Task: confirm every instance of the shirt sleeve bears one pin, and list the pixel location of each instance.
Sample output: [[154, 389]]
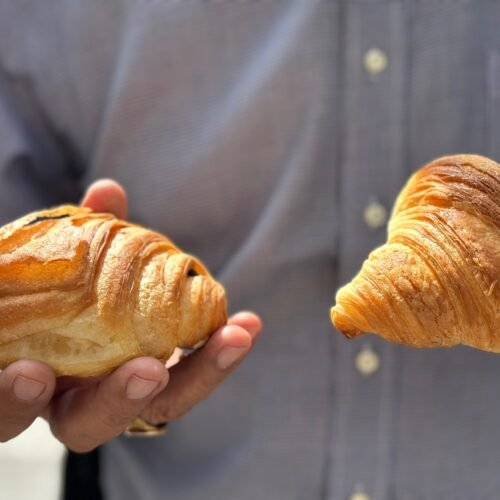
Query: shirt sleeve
[[38, 167]]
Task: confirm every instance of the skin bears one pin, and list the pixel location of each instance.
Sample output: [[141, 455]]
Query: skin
[[85, 413]]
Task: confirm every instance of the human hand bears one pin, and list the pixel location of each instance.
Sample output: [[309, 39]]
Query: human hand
[[84, 413]]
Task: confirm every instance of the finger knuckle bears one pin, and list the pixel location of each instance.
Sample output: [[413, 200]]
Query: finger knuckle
[[81, 442], [175, 406], [116, 421], [12, 426], [6, 438], [165, 413], [78, 442], [86, 440], [77, 447], [14, 421]]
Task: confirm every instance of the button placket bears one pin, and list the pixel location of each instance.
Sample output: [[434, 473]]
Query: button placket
[[367, 361], [375, 61], [359, 495], [373, 169], [375, 215]]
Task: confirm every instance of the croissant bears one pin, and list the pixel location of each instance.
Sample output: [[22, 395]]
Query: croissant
[[84, 292], [436, 282]]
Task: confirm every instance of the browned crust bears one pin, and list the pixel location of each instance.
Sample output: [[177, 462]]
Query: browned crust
[[57, 265], [435, 282]]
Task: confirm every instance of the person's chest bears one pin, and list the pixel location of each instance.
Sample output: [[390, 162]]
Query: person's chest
[[212, 111], [280, 131]]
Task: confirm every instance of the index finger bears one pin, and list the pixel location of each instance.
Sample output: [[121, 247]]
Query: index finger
[[196, 377], [87, 416]]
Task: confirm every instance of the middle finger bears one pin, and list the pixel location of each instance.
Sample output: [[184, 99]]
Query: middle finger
[[84, 418]]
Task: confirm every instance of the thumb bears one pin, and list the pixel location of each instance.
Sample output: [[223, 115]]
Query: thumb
[[106, 195]]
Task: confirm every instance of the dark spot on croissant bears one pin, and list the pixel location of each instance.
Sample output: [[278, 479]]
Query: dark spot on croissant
[[191, 273], [48, 217]]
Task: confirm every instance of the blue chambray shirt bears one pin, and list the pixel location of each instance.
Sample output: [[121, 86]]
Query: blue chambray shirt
[[259, 134]]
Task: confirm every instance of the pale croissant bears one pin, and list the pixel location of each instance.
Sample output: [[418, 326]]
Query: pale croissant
[[436, 282], [85, 292]]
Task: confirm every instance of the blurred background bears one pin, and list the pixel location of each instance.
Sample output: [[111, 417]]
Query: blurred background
[[31, 465]]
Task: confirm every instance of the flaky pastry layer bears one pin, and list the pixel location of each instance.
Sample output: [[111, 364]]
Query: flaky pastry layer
[[436, 282], [85, 292]]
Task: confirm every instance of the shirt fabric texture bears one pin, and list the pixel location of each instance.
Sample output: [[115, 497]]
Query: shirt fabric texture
[[250, 132]]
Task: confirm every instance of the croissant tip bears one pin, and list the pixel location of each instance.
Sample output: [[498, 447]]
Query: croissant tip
[[434, 282], [343, 324]]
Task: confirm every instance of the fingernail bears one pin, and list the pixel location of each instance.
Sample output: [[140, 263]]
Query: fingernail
[[140, 388], [27, 389], [229, 355]]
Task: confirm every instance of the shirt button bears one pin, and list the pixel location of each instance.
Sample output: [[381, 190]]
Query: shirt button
[[375, 215], [375, 61], [359, 496], [367, 361]]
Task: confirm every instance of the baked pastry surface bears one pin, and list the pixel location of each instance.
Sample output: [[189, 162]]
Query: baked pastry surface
[[436, 282], [84, 292]]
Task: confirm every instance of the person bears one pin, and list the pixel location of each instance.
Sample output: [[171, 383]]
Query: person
[[270, 138]]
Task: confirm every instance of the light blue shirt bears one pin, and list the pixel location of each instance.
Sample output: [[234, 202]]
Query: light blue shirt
[[255, 133]]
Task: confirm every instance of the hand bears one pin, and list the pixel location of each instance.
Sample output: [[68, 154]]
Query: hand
[[85, 413]]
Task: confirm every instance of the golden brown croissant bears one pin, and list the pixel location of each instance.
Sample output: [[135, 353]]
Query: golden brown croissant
[[84, 292], [436, 282]]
